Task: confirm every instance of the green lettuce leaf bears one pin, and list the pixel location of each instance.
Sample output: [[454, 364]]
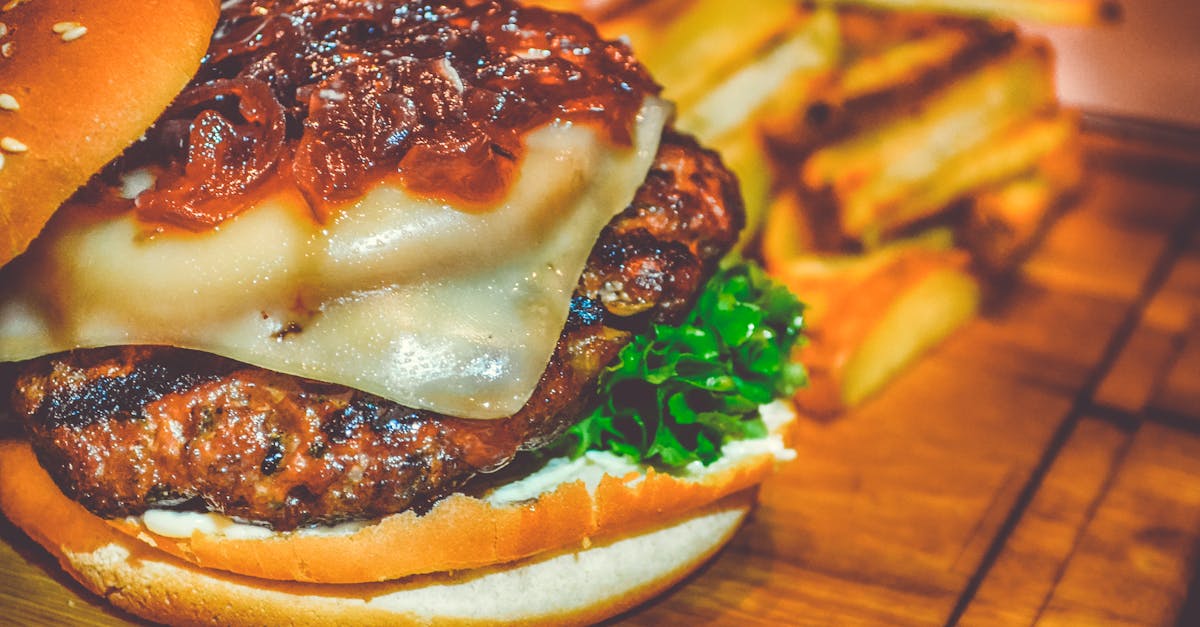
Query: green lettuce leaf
[[677, 394]]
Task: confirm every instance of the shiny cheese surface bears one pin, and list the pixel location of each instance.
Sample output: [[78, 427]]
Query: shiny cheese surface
[[436, 308]]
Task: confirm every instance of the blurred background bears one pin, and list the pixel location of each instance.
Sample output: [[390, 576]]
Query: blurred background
[[991, 208], [1147, 66]]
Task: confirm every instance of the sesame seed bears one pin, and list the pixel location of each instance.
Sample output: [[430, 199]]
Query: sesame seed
[[3, 29], [1, 161], [12, 4], [69, 31], [74, 33], [8, 103], [11, 144], [7, 49]]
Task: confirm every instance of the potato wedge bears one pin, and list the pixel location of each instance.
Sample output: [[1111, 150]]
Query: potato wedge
[[872, 315], [729, 104], [1004, 222], [873, 172], [1067, 12]]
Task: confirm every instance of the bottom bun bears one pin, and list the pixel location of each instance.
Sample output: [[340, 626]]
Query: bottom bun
[[599, 580]]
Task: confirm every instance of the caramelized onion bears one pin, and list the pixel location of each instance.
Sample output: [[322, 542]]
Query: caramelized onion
[[332, 96], [227, 155]]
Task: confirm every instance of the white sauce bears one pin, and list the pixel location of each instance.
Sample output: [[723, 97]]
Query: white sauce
[[172, 524], [592, 466]]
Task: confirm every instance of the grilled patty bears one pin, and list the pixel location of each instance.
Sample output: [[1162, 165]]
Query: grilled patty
[[126, 429]]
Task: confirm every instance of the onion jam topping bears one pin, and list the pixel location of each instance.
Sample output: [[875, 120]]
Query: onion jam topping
[[334, 95]]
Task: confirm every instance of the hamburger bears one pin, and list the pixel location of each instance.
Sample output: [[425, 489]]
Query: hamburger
[[370, 312]]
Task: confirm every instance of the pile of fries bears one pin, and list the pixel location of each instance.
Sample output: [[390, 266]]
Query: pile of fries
[[893, 153]]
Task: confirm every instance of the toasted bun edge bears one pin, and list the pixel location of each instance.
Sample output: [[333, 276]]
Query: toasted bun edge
[[574, 586], [465, 532]]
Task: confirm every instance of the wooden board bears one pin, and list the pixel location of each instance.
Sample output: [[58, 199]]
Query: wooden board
[[1040, 465], [1134, 556], [1023, 576]]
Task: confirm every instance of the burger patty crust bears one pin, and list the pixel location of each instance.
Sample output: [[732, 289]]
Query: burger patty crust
[[126, 429]]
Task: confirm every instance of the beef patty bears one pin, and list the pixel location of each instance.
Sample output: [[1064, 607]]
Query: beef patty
[[126, 429]]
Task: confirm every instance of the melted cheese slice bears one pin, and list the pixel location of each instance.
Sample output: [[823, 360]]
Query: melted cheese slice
[[411, 299]]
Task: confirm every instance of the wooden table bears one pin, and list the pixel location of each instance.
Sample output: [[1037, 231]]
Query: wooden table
[[1043, 465]]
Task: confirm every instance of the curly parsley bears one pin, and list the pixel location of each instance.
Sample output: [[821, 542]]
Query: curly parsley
[[677, 394]]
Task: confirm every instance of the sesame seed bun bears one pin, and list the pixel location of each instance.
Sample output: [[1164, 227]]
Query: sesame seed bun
[[88, 79]]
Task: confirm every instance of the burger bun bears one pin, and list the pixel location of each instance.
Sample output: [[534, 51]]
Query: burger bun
[[87, 79], [578, 585]]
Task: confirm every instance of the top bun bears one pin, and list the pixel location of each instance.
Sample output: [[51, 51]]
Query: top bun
[[84, 95]]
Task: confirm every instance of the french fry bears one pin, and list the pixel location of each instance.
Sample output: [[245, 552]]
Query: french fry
[[708, 39], [1020, 80], [1006, 155], [1004, 222], [900, 63], [593, 10], [874, 87], [786, 234], [868, 32], [637, 21], [745, 156], [872, 172], [731, 104], [933, 303], [893, 111], [1069, 12], [871, 315]]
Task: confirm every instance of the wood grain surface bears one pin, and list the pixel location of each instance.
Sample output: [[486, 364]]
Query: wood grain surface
[[1042, 466]]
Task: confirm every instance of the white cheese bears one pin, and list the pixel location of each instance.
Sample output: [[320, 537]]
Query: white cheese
[[408, 298]]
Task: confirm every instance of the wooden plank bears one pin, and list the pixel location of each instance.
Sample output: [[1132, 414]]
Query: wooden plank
[[1162, 152], [1180, 394], [1108, 243], [1145, 364], [1130, 207], [1138, 371], [1180, 305], [1157, 364], [35, 591], [887, 511], [1048, 336], [1175, 307], [1074, 290], [1025, 572], [750, 589], [1134, 560]]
